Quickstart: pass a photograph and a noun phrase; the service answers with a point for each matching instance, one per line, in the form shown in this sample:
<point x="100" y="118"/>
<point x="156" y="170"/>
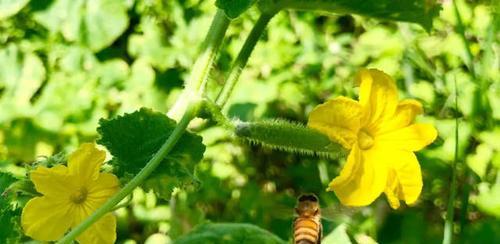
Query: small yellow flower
<point x="71" y="194"/>
<point x="381" y="136"/>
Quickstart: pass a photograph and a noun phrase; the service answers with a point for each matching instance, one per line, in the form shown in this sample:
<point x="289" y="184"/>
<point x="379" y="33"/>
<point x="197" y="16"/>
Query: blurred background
<point x="65" y="64"/>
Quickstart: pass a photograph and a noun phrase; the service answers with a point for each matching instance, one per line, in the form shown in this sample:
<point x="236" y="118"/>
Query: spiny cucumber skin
<point x="288" y="136"/>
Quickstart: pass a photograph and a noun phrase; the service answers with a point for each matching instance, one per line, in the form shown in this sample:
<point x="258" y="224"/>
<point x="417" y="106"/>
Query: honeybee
<point x="307" y="228"/>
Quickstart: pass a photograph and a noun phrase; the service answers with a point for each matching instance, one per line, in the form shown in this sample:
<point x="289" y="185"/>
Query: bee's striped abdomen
<point x="306" y="230"/>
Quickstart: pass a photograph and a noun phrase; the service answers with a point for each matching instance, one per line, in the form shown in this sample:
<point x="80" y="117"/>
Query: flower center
<point x="365" y="140"/>
<point x="79" y="196"/>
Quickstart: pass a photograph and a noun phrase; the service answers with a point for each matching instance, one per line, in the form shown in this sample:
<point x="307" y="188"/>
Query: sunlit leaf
<point x="150" y="45"/>
<point x="11" y="7"/>
<point x="93" y="23"/>
<point x="21" y="75"/>
<point x="480" y="160"/>
<point x="488" y="200"/>
<point x="337" y="236"/>
<point x="229" y="233"/>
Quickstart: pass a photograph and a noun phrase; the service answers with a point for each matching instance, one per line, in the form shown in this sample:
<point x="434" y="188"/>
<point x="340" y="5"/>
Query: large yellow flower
<point x="380" y="134"/>
<point x="71" y="194"/>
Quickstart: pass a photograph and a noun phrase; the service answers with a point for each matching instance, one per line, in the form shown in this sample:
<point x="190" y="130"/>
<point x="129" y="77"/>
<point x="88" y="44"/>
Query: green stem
<point x="242" y="58"/>
<point x="210" y="47"/>
<point x="201" y="68"/>
<point x="468" y="182"/>
<point x="138" y="179"/>
<point x="122" y="205"/>
<point x="448" y="225"/>
<point x="213" y="112"/>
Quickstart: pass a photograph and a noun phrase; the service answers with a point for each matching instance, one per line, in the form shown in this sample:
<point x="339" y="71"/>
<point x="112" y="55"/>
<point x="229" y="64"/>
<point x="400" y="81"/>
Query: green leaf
<point x="93" y="23"/>
<point x="479" y="161"/>
<point x="11" y="7"/>
<point x="233" y="8"/>
<point x="337" y="236"/>
<point x="229" y="233"/>
<point x="416" y="11"/>
<point x="5" y="181"/>
<point x="134" y="138"/>
<point x="9" y="232"/>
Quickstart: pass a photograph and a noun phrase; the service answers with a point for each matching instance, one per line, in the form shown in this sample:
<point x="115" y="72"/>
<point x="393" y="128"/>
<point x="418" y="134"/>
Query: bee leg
<point x="320" y="233"/>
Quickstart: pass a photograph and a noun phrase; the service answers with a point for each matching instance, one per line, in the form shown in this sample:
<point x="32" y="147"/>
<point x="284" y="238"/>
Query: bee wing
<point x="338" y="212"/>
<point x="282" y="212"/>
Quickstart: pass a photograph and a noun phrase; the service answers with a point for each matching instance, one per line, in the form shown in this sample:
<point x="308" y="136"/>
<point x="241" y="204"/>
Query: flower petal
<point x="85" y="162"/>
<point x="393" y="189"/>
<point x="102" y="232"/>
<point x="405" y="180"/>
<point x="45" y="218"/>
<point x="338" y="118"/>
<point x="363" y="178"/>
<point x="103" y="188"/>
<point x="55" y="181"/>
<point x="378" y="95"/>
<point x="405" y="114"/>
<point x="410" y="178"/>
<point x="410" y="138"/>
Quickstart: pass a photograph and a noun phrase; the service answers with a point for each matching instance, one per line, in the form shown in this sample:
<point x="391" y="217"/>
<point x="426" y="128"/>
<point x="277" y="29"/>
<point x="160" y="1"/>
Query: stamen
<point x="79" y="196"/>
<point x="365" y="140"/>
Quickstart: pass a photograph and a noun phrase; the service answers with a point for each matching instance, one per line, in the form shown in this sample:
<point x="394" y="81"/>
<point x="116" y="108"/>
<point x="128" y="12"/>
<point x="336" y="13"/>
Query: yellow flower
<point x="381" y="136"/>
<point x="71" y="194"/>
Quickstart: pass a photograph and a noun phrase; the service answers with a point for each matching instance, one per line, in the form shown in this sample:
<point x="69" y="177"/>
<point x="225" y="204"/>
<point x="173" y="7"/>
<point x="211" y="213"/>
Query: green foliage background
<point x="64" y="64"/>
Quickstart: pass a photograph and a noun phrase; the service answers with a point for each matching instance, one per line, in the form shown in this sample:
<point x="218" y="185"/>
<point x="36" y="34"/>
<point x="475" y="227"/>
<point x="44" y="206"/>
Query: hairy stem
<point x="242" y="58"/>
<point x="213" y="112"/>
<point x="210" y="47"/>
<point x="201" y="68"/>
